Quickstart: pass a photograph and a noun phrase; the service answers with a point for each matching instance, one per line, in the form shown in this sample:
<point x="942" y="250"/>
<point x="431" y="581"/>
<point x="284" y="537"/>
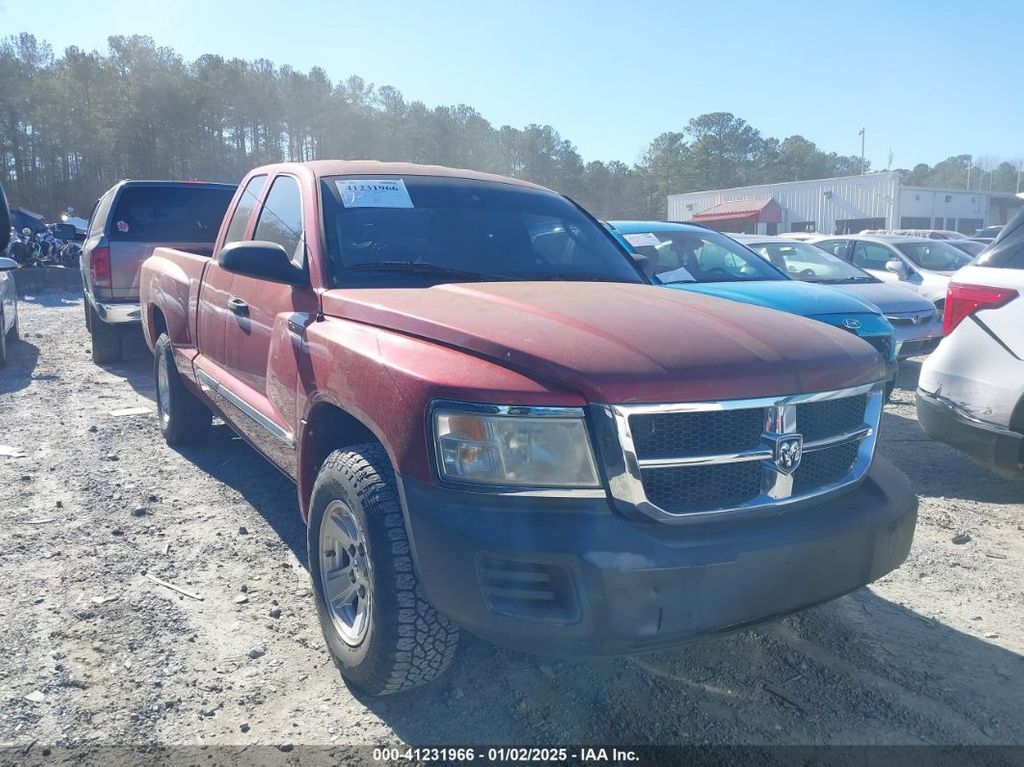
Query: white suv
<point x="916" y="263"/>
<point x="971" y="390"/>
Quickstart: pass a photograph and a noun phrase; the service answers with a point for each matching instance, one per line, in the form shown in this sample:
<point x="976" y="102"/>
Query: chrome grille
<point x="818" y="420"/>
<point x="681" y="490"/>
<point x="680" y="434"/>
<point x="692" y="459"/>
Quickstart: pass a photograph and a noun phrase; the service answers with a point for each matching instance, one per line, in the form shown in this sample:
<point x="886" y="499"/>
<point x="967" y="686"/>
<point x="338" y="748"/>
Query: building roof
<point x="739" y="209"/>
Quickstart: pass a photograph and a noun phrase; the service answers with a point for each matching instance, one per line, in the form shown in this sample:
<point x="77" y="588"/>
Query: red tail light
<point x="99" y="267"/>
<point x="964" y="300"/>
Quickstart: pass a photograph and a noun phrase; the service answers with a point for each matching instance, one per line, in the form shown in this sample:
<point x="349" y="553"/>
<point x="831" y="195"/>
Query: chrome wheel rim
<point x="163" y="394"/>
<point x="344" y="573"/>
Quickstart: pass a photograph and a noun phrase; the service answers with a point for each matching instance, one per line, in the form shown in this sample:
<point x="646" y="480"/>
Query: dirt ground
<point x="95" y="652"/>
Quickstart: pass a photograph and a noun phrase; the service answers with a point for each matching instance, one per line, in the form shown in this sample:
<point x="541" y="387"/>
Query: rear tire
<point x="383" y="633"/>
<point x="106" y="339"/>
<point x="184" y="419"/>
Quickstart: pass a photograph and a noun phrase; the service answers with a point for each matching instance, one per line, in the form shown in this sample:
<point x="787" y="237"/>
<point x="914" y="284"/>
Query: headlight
<point x="518" y="447"/>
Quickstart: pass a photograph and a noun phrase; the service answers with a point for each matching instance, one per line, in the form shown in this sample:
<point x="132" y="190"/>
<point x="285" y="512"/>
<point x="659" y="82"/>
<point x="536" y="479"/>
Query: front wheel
<point x="383" y="633"/>
<point x="183" y="417"/>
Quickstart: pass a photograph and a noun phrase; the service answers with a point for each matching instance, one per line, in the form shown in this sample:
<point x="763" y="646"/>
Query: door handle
<point x="238" y="307"/>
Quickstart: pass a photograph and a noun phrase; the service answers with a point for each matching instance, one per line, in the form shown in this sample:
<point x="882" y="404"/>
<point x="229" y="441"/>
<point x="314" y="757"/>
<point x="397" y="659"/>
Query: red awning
<point x="763" y="209"/>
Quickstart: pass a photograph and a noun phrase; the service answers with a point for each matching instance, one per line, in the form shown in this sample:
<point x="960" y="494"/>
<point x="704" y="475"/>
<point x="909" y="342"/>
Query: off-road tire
<point x="106" y="339"/>
<point x="186" y="419"/>
<point x="408" y="643"/>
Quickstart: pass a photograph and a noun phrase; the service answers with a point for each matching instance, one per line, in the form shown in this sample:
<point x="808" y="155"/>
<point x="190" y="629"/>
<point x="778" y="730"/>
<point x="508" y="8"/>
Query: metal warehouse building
<point x="844" y="205"/>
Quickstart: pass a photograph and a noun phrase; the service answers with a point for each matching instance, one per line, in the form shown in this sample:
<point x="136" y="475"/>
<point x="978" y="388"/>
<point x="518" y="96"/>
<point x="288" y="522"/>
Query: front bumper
<point x="569" y="576"/>
<point x="998" y="449"/>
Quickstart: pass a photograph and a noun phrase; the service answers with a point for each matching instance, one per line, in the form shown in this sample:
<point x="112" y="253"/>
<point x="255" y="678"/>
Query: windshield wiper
<point x="846" y="280"/>
<point x="423" y="268"/>
<point x="574" y="277"/>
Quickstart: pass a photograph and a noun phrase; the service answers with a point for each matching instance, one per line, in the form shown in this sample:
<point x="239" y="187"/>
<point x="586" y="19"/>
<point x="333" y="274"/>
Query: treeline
<point x="72" y="125"/>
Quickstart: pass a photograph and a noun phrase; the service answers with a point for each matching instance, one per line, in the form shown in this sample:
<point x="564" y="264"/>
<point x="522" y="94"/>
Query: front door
<point x="261" y="316"/>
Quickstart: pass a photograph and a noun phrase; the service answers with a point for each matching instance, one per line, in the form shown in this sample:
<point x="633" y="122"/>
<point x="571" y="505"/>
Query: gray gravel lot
<point x="95" y="652"/>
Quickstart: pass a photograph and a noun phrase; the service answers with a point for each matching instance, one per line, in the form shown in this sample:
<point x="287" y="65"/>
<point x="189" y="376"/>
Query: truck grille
<point x="696" y="458"/>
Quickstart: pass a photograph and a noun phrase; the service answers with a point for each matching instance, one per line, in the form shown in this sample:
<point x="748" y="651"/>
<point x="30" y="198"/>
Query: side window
<point x="281" y="217"/>
<point x="868" y="255"/>
<point x="240" y="218"/>
<point x="99" y="214"/>
<point x="835" y="247"/>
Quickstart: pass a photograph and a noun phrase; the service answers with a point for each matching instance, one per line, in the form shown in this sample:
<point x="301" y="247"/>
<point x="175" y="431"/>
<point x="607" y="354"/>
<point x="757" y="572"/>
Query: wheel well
<point x="327" y="429"/>
<point x="158" y="323"/>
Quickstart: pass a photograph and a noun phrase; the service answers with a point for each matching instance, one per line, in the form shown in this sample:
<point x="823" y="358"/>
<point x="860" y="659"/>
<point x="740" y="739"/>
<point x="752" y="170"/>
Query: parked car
<point x="495" y="428"/>
<point x="971" y="247"/>
<point x="8" y="294"/>
<point x="971" y="391"/>
<point x="800" y="236"/>
<point x="988" y="233"/>
<point x="8" y="307"/>
<point x="916" y="263"/>
<point x="127" y="223"/>
<point x="917" y="326"/>
<point x="694" y="258"/>
<point x="928" y="234"/>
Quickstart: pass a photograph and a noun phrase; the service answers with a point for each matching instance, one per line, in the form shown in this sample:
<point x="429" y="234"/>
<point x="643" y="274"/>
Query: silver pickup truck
<point x="127" y="223"/>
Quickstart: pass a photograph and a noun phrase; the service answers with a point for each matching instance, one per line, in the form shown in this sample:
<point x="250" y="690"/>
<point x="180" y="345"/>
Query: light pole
<point x="863" y="169"/>
<point x="970" y="162"/>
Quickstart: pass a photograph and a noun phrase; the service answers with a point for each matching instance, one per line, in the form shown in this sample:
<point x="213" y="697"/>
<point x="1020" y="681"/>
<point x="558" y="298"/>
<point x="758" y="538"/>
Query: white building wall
<point x="933" y="204"/>
<point x="821" y="201"/>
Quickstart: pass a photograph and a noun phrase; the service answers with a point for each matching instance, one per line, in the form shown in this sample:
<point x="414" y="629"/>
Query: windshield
<point x="935" y="255"/>
<point x="418" y="229"/>
<point x="700" y="256"/>
<point x="810" y="263"/>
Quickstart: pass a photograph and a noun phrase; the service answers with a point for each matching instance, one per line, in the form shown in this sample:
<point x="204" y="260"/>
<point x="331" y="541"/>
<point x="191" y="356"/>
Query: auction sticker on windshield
<point x="642" y="239"/>
<point x="373" y="193"/>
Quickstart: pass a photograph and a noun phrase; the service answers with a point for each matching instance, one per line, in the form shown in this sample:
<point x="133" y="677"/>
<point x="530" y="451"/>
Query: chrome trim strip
<point x="521" y="411"/>
<point x="744" y="404"/>
<point x="211" y="385"/>
<point x="627" y="486"/>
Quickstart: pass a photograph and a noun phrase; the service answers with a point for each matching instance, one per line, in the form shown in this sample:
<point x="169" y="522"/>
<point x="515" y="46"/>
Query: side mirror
<point x="6" y="264"/>
<point x="5" y="222"/>
<point x="897" y="267"/>
<point x="262" y="260"/>
<point x="646" y="264"/>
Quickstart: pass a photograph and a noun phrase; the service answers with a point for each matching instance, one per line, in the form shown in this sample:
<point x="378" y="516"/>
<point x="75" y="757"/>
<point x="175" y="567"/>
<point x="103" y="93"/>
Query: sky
<point x="925" y="79"/>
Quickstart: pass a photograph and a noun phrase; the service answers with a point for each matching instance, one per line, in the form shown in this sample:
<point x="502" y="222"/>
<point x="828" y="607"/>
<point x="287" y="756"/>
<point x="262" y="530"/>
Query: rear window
<point x="189" y="214"/>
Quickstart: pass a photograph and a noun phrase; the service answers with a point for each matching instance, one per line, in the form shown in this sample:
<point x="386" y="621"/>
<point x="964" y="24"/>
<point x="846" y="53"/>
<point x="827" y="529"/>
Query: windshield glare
<point x="476" y="230"/>
<point x="704" y="256"/>
<point x="935" y="255"/>
<point x="809" y="263"/>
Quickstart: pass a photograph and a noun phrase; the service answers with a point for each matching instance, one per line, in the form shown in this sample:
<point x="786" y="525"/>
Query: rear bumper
<point x="986" y="444"/>
<point x="572" y="577"/>
<point x="119" y="313"/>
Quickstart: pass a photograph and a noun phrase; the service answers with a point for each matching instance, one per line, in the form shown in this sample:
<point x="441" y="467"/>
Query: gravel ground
<point x="93" y="652"/>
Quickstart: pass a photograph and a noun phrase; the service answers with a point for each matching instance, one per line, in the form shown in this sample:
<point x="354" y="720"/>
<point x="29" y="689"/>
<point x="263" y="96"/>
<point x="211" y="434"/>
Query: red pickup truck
<point x="496" y="423"/>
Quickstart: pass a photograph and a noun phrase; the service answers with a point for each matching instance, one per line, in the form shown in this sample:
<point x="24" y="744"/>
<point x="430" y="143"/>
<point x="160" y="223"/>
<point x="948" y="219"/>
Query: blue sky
<point x="611" y="75"/>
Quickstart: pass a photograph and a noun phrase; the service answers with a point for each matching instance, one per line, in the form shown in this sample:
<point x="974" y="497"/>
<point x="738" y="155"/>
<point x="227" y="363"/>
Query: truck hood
<point x="785" y="295"/>
<point x="621" y="343"/>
